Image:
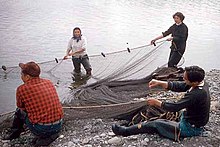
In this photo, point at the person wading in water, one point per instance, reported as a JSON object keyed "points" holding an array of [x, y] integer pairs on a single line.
{"points": [[179, 35], [77, 49]]}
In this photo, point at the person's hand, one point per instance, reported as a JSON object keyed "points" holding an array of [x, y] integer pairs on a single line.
{"points": [[152, 42], [71, 54], [154, 102], [153, 83], [65, 57], [170, 39]]}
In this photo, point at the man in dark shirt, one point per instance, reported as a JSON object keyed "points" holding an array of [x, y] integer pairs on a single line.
{"points": [[179, 35], [196, 103]]}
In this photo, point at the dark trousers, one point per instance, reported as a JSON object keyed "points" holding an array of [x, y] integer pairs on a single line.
{"points": [[166, 128], [174, 58], [84, 60], [43, 131]]}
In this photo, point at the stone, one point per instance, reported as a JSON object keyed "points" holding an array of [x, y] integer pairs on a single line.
{"points": [[146, 139], [87, 127], [76, 141], [103, 135], [111, 134], [88, 145], [115, 141], [70, 144], [85, 141]]}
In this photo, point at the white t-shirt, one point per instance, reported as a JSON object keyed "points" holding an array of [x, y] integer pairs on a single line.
{"points": [[75, 46]]}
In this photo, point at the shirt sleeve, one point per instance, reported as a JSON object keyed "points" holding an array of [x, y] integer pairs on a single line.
{"points": [[19, 102], [185, 102], [168, 32], [178, 86], [69, 47], [84, 43]]}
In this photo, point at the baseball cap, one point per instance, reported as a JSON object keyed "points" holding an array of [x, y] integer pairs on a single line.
{"points": [[30, 68]]}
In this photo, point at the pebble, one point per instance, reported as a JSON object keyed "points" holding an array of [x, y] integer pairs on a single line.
{"points": [[85, 141], [70, 144], [115, 141], [111, 134], [88, 145], [76, 141], [134, 137], [145, 141], [87, 127], [103, 135]]}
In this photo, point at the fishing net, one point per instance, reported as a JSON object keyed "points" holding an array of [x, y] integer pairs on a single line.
{"points": [[117, 86]]}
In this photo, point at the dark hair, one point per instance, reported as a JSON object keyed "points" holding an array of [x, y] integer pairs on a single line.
{"points": [[180, 15], [77, 28], [195, 73], [74, 37]]}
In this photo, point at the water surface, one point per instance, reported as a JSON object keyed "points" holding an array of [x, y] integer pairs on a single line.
{"points": [[40, 30]]}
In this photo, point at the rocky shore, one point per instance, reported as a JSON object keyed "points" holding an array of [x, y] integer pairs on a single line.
{"points": [[97, 132]]}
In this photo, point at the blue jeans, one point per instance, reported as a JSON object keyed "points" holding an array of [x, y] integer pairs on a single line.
{"points": [[187, 130], [43, 131]]}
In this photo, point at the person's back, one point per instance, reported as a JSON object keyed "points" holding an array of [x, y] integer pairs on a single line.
{"points": [[198, 113], [38, 107], [41, 100]]}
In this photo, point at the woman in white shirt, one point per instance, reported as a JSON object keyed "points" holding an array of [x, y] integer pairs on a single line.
{"points": [[77, 49]]}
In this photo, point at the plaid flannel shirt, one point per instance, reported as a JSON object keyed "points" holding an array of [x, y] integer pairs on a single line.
{"points": [[38, 97]]}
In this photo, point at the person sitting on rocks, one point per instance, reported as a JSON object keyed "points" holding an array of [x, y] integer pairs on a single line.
{"points": [[38, 107], [196, 103]]}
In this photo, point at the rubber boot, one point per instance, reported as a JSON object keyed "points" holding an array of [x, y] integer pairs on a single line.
{"points": [[17, 125], [132, 130]]}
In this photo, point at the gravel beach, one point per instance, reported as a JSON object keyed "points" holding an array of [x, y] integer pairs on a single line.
{"points": [[97, 132]]}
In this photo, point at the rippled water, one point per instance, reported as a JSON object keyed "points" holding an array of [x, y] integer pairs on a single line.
{"points": [[40, 30]]}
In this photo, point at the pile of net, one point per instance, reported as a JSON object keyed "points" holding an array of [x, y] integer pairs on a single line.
{"points": [[121, 99]]}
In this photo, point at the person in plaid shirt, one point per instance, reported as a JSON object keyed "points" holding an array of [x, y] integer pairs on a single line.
{"points": [[38, 107]]}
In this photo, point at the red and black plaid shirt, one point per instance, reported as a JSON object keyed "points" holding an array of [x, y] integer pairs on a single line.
{"points": [[38, 97]]}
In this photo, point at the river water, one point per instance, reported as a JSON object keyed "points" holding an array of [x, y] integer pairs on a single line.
{"points": [[40, 30]]}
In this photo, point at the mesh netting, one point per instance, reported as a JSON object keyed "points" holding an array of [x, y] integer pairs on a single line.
{"points": [[118, 80]]}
